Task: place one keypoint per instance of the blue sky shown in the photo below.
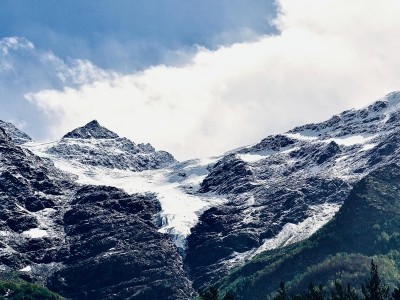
(126, 34)
(193, 77)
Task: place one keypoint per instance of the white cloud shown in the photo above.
(330, 55)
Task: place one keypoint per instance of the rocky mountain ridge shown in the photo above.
(82, 241)
(95, 145)
(366, 227)
(222, 211)
(284, 188)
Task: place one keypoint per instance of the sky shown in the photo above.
(195, 78)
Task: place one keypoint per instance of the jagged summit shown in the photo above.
(92, 130)
(381, 116)
(18, 136)
(63, 234)
(278, 183)
(95, 145)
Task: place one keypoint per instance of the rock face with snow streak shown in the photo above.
(18, 136)
(285, 179)
(86, 242)
(95, 145)
(32, 196)
(114, 251)
(276, 192)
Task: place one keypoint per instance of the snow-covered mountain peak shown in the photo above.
(95, 145)
(92, 130)
(379, 117)
(14, 133)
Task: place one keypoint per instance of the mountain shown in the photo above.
(85, 242)
(282, 189)
(19, 137)
(95, 145)
(217, 213)
(97, 156)
(366, 227)
(92, 130)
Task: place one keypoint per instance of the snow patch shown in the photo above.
(181, 207)
(351, 140)
(250, 157)
(367, 147)
(292, 233)
(319, 215)
(4, 233)
(26, 269)
(305, 135)
(35, 233)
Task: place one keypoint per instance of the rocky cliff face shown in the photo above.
(113, 249)
(14, 133)
(288, 185)
(33, 195)
(366, 227)
(85, 242)
(95, 145)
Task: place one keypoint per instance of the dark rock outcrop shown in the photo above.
(113, 249)
(92, 130)
(18, 136)
(85, 242)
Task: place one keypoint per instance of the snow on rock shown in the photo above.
(26, 269)
(14, 133)
(290, 233)
(286, 176)
(351, 140)
(175, 187)
(35, 233)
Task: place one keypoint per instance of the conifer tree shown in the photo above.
(338, 293)
(313, 293)
(350, 293)
(374, 288)
(396, 294)
(282, 292)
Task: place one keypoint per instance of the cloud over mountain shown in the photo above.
(327, 56)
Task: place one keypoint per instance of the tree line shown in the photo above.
(372, 289)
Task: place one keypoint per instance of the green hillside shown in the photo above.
(21, 290)
(366, 227)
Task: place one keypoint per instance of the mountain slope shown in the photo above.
(284, 188)
(221, 212)
(98, 156)
(18, 136)
(82, 241)
(368, 224)
(114, 235)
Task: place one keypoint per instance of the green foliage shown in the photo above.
(209, 294)
(374, 288)
(313, 293)
(340, 293)
(20, 290)
(282, 292)
(366, 227)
